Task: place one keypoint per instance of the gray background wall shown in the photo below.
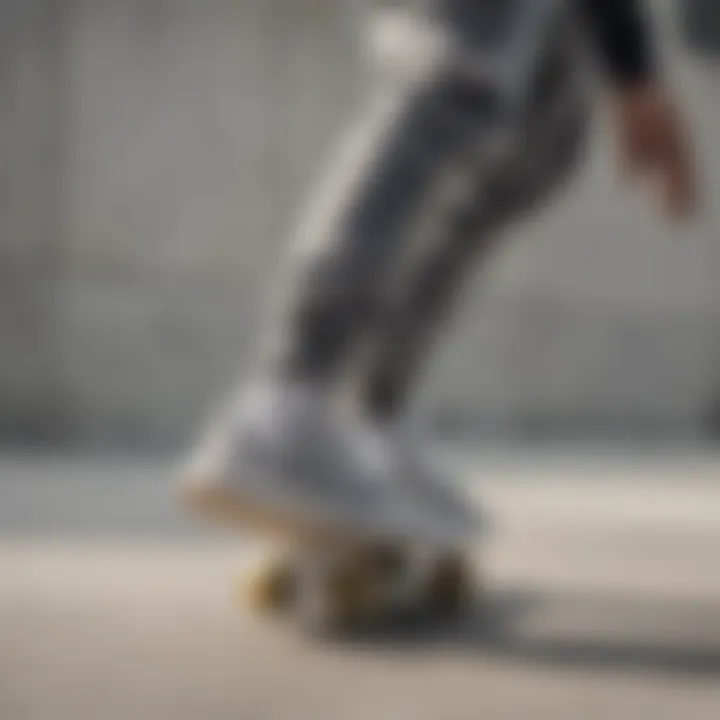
(153, 155)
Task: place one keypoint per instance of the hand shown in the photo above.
(653, 143)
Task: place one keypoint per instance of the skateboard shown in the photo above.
(331, 578)
(361, 585)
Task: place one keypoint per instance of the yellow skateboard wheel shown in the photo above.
(271, 588)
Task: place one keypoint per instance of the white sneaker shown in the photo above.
(454, 519)
(281, 458)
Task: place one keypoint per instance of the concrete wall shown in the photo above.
(32, 207)
(154, 153)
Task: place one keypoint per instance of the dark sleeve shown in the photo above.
(622, 33)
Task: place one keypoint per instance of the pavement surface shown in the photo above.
(602, 601)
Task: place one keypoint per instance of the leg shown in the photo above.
(493, 191)
(339, 290)
(348, 250)
(367, 246)
(469, 85)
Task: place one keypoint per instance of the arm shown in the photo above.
(651, 134)
(622, 35)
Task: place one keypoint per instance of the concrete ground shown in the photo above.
(603, 601)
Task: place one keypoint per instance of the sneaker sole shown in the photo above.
(238, 511)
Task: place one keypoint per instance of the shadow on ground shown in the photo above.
(573, 631)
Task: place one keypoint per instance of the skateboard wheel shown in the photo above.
(339, 596)
(352, 592)
(451, 588)
(272, 588)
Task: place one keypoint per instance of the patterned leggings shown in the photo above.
(451, 148)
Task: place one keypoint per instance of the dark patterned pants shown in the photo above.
(452, 148)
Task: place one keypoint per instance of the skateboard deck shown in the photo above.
(331, 577)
